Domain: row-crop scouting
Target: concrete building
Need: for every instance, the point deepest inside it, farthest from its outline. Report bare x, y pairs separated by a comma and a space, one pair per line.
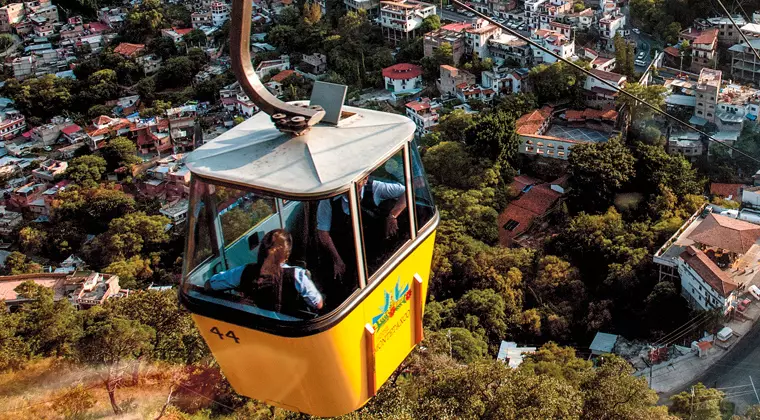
553, 41
401, 20
433, 40
315, 64
11, 14
150, 63
610, 25
403, 78
711, 254
49, 170
269, 67
704, 47
744, 63
543, 135
598, 93
688, 144
48, 134
510, 50
235, 100
707, 90
9, 221
451, 77
424, 113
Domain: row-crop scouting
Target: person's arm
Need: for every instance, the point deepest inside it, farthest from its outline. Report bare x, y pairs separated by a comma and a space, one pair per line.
324, 223
226, 280
387, 191
339, 267
308, 290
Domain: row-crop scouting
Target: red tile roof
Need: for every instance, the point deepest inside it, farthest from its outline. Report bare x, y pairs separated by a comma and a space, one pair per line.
522, 181
706, 37
726, 190
402, 71
71, 129
102, 120
128, 49
456, 27
573, 115
531, 204
673, 51
726, 233
532, 121
279, 77
708, 271
182, 31
418, 106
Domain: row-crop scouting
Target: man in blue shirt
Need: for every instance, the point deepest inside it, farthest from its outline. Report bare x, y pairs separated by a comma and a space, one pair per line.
334, 221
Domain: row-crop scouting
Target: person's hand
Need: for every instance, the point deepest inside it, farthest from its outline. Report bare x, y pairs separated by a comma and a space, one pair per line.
391, 226
338, 268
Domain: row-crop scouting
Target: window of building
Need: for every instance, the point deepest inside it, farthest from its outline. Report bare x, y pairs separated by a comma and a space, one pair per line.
511, 225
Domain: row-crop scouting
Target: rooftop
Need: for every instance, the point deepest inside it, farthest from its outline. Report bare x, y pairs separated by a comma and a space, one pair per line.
402, 71
708, 231
708, 271
710, 77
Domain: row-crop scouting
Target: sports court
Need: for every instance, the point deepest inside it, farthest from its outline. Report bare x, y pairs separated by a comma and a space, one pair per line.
578, 134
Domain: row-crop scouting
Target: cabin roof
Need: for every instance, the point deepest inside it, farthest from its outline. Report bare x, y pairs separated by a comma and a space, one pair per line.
322, 162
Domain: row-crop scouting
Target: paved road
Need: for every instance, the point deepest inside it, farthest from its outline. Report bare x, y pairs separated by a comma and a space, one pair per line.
453, 16
734, 369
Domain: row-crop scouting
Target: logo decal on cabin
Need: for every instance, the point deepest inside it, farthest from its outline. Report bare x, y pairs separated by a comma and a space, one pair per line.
393, 301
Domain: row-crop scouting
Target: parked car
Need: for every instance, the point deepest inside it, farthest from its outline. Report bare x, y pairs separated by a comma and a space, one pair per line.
636, 30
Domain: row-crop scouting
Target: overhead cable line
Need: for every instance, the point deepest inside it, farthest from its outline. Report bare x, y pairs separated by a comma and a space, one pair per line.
664, 338
604, 82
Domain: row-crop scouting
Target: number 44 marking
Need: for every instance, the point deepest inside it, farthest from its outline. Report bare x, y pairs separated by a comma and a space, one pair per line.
230, 334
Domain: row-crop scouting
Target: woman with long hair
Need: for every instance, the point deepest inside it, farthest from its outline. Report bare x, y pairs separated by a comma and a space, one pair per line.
273, 284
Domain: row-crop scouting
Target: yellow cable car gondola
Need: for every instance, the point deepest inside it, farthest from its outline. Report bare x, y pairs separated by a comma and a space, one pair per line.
309, 245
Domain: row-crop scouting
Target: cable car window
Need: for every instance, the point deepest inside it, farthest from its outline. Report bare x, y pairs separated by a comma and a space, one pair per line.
424, 206
274, 263
201, 235
384, 212
240, 210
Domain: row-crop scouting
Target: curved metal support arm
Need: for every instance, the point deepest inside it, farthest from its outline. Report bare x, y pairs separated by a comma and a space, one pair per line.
240, 57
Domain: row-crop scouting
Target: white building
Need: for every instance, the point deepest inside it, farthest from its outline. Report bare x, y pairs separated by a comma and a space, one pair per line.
401, 20
403, 78
424, 113
553, 41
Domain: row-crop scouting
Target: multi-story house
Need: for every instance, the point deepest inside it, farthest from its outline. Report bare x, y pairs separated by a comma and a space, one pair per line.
533, 13
704, 47
506, 80
22, 197
235, 100
424, 113
403, 78
11, 14
609, 25
9, 221
150, 63
48, 170
201, 18
727, 33
598, 93
451, 77
12, 124
510, 50
456, 39
103, 128
708, 87
744, 62
553, 41
220, 13
401, 20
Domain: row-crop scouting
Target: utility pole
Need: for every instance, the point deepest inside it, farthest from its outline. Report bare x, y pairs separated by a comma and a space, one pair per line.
753, 388
650, 375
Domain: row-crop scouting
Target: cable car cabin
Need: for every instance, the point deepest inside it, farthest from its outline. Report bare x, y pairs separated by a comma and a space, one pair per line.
308, 257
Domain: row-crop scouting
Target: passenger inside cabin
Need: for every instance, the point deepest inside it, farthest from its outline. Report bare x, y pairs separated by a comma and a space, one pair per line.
271, 283
381, 205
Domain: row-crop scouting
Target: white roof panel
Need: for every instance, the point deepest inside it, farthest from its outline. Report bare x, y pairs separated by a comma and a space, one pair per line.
321, 162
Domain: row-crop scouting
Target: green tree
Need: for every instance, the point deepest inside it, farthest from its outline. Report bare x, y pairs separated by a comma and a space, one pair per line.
163, 46
483, 313
6, 41
17, 263
701, 403
110, 340
652, 94
40, 98
493, 136
132, 272
51, 328
460, 343
14, 350
598, 171
86, 171
120, 151
430, 23
176, 340
32, 240
146, 88
195, 38
129, 235
558, 81
101, 86
454, 125
175, 72
312, 13
92, 208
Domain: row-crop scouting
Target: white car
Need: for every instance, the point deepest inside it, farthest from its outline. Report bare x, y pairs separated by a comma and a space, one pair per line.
636, 31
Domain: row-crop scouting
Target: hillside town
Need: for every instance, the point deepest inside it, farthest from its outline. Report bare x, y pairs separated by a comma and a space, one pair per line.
596, 166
